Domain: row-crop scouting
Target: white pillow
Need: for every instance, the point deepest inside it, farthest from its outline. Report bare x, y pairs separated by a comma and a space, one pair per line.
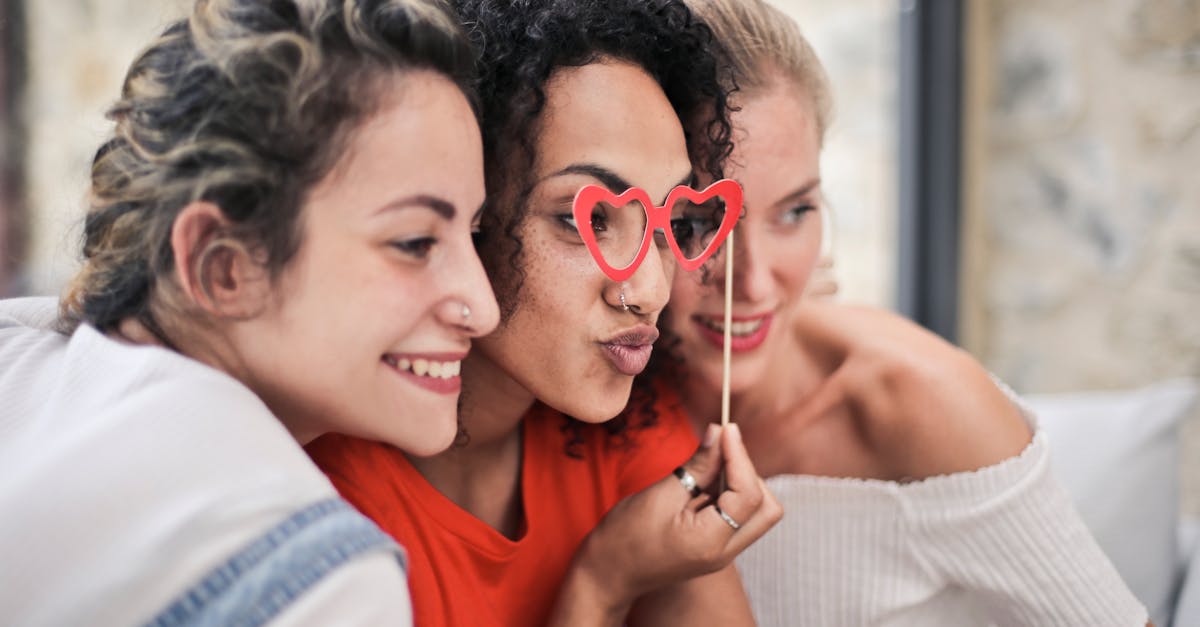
38, 312
1187, 609
1117, 454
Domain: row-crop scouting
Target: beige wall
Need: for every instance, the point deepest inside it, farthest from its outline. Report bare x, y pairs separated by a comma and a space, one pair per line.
78, 53
1083, 196
859, 46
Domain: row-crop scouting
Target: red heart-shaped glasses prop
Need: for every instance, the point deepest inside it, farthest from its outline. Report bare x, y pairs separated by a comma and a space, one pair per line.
723, 197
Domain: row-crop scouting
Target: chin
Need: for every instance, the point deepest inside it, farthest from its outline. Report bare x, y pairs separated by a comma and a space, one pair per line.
596, 409
423, 438
429, 444
742, 377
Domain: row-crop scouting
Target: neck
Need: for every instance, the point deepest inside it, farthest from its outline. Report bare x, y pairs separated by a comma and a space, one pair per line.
749, 406
767, 410
482, 476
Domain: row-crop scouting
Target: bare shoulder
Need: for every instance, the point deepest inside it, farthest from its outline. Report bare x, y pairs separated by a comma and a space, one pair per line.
920, 406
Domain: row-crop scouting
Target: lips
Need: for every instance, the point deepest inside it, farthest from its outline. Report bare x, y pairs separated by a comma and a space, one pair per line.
629, 351
436, 372
747, 332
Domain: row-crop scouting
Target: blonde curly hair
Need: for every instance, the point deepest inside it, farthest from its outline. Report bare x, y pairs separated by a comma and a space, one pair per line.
245, 104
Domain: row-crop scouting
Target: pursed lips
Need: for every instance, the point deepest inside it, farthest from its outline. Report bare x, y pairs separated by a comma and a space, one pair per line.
629, 351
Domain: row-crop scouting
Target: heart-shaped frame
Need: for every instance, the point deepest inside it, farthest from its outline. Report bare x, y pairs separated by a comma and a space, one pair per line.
658, 217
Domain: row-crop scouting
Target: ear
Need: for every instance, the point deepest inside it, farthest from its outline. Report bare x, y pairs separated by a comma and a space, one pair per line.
215, 271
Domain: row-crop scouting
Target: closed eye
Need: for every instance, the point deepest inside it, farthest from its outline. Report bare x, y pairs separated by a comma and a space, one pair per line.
417, 248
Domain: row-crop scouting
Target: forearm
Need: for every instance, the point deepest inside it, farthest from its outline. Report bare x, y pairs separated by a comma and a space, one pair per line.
715, 599
585, 601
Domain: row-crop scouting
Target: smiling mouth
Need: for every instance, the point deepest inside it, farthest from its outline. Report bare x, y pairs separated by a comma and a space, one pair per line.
745, 334
736, 329
425, 367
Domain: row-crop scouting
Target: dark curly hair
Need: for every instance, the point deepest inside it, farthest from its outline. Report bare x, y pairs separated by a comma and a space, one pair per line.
520, 44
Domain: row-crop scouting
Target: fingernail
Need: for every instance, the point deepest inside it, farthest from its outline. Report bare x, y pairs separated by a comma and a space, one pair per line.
710, 436
735, 432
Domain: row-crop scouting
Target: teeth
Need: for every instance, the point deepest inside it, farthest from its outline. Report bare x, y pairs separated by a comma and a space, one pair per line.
427, 368
736, 328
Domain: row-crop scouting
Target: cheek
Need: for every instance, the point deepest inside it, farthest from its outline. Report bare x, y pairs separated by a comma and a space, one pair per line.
686, 293
797, 259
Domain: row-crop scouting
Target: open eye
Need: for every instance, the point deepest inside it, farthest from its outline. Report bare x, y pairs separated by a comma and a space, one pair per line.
599, 220
698, 224
690, 231
795, 214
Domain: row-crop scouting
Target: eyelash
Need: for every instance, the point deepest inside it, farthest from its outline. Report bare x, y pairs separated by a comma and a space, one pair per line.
417, 248
795, 214
567, 221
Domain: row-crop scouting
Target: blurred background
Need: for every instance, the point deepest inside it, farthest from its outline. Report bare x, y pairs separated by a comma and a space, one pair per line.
1021, 176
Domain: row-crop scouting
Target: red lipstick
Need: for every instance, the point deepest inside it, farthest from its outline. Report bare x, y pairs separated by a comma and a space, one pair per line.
737, 343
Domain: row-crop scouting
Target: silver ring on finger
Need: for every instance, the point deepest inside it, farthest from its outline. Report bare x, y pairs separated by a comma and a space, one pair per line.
727, 518
688, 481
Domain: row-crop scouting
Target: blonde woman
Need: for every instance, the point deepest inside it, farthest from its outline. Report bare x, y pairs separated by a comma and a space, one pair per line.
918, 493
279, 226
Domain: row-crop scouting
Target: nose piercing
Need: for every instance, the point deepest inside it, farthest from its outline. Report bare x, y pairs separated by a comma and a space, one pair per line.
466, 313
622, 297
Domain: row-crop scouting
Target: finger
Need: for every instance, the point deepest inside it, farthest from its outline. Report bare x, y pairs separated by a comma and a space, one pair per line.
706, 463
756, 525
744, 495
740, 476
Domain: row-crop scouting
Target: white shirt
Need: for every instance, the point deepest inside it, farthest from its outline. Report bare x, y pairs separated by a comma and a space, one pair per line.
127, 473
998, 546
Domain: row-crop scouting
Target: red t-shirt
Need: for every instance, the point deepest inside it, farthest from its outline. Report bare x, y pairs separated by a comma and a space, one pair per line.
464, 572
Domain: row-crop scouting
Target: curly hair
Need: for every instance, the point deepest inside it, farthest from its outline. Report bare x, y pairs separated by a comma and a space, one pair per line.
520, 44
246, 104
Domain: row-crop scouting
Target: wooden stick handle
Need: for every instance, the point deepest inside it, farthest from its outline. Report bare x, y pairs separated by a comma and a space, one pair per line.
726, 353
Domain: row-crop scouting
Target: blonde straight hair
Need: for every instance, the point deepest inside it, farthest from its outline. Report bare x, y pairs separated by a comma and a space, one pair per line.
763, 43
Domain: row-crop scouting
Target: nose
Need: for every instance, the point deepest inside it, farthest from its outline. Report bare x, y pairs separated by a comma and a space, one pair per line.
470, 303
649, 289
751, 273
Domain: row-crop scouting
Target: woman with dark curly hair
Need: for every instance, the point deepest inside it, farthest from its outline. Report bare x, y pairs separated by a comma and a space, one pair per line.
510, 526
280, 220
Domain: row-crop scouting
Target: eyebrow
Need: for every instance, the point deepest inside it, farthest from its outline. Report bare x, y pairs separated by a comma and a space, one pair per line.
440, 206
613, 181
802, 191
